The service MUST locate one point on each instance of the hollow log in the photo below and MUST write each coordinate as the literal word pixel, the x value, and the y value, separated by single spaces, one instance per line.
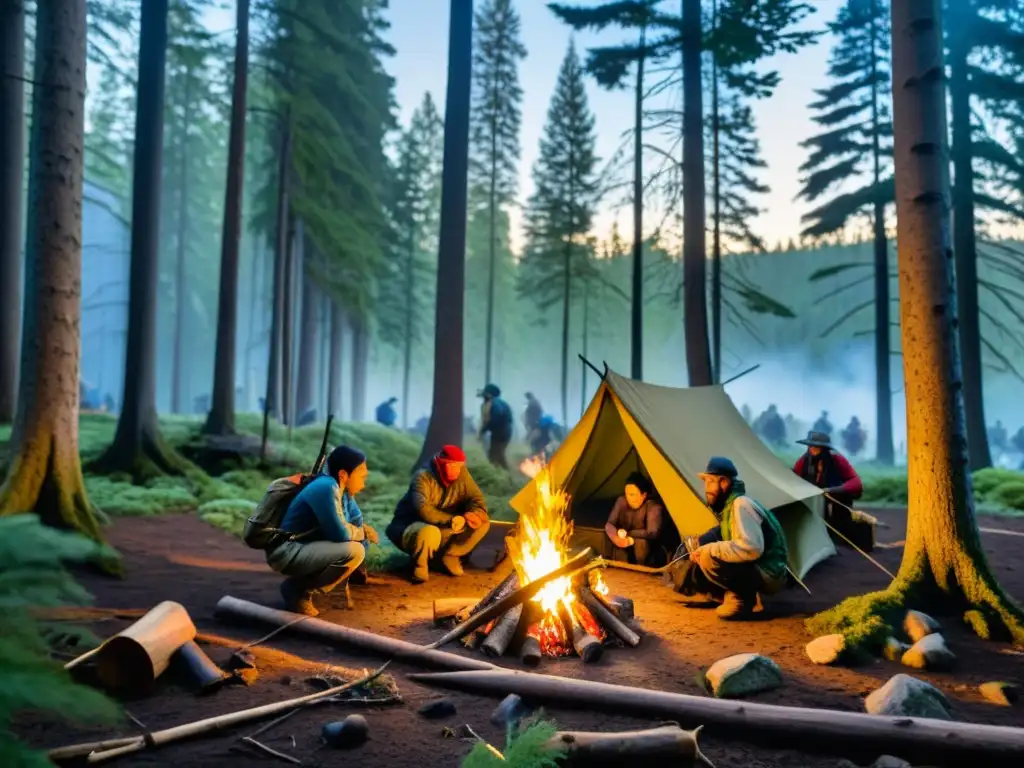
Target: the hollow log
pixel 923 740
pixel 232 607
pixel 518 597
pixel 608 619
pixel 500 637
pixel 446 608
pixel 193 662
pixel 132 660
pixel 586 645
pixel 530 654
pixel 665 745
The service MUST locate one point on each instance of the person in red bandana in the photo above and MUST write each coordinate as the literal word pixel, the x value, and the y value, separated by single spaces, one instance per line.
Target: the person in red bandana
pixel 442 517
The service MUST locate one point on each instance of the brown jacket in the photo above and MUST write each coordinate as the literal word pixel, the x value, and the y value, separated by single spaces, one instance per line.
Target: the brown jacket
pixel 642 523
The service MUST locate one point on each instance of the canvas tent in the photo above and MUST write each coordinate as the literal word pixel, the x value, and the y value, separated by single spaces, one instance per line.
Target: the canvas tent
pixel 669 434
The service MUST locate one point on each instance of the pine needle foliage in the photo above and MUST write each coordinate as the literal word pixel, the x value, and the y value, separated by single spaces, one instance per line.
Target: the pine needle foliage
pixel 526 748
pixel 31 574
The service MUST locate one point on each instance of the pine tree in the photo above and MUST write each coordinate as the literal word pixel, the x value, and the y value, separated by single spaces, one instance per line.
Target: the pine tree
pixel 856 148
pixel 108 143
pixel 560 211
pixel 494 137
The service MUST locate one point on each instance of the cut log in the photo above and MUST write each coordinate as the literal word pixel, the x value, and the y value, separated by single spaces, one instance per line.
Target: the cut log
pixel 586 620
pixel 446 608
pixel 530 655
pixel 503 588
pixel 232 607
pixel 586 645
pixel 193 662
pixel 500 637
pixel 665 745
pixel 936 742
pixel 131 661
pixel 620 606
pixel 608 619
pixel 518 597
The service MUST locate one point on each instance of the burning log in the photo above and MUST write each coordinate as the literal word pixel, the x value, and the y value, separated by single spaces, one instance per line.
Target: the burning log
pixel 500 636
pixel 507 586
pixel 609 619
pixel 621 606
pixel 664 745
pixel 587 646
pixel 446 608
pixel 530 653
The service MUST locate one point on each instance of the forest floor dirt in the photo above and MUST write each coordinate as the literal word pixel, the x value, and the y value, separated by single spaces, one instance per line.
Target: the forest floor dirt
pixel 181 558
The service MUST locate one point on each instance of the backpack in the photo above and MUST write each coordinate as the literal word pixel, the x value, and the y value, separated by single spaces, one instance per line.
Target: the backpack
pixel 263 529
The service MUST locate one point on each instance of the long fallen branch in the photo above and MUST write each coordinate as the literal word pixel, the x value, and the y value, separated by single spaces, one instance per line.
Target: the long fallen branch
pixel 518 597
pixel 232 607
pixel 664 745
pixel 99 752
pixel 922 740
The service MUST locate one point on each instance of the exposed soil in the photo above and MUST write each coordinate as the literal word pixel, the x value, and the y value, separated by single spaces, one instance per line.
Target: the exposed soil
pixel 180 558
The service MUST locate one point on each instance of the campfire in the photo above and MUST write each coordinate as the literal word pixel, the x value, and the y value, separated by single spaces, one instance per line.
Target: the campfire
pixel 574 614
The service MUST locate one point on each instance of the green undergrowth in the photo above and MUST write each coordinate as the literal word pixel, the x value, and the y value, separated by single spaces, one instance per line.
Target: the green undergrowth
pixel 527 747
pixel 32 574
pixel 865 621
pixel 996 491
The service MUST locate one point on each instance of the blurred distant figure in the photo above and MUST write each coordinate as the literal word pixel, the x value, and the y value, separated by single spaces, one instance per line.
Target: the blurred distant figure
pixel 830 471
pixel 854 437
pixel 108 402
pixel 823 425
pixel 770 426
pixel 545 432
pixel 1018 440
pixel 420 428
pixel 386 414
pixel 306 418
pixel 201 404
pixel 997 437
pixel 533 412
pixel 496 419
pixel 793 425
pixel 748 415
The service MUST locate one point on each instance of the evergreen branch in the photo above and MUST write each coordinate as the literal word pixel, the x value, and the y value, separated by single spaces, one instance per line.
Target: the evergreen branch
pixel 1008 366
pixel 846 316
pixel 845 287
pixel 835 269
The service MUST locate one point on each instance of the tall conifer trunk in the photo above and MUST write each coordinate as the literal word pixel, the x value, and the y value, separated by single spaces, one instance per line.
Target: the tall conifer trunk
pixel 305 388
pixel 716 238
pixel 288 323
pixel 334 363
pixel 180 271
pixel 637 324
pixel 360 365
pixel 275 383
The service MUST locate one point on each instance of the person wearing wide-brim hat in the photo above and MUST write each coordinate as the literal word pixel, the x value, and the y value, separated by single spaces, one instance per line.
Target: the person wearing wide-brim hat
pixel 740 559
pixel 823 466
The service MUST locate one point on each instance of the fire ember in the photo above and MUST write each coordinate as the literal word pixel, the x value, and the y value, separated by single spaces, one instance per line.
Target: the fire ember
pixel 572 615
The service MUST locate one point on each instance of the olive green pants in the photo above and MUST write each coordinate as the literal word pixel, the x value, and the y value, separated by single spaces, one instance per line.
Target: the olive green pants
pixel 316 565
pixel 423 541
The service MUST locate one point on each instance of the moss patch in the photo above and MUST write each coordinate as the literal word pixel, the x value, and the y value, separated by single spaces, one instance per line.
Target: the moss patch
pixel 865 620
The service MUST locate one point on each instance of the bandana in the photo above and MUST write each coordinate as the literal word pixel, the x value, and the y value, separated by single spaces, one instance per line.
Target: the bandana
pixel 448 455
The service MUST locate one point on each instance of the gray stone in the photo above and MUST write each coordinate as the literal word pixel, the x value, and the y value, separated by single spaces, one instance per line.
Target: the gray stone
pixel 350 732
pixel 438 708
pixel 917 625
pixel 888 761
pixel 826 649
pixel 930 652
pixel 894 649
pixel 1003 694
pixel 906 696
pixel 511 710
pixel 742 675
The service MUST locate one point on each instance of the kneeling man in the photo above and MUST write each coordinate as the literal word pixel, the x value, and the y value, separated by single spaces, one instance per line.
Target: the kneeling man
pixel 443 513
pixel 738 560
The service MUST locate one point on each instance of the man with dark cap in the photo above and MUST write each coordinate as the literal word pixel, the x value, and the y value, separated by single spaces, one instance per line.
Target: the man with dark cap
pixel 443 515
pixel 738 560
pixel 329 537
pixel 822 466
pixel 386 414
pixel 496 418
pixel 634 524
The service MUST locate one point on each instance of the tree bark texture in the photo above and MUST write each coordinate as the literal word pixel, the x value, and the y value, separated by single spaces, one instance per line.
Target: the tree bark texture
pixel 492 245
pixel 221 419
pixel 12 167
pixel 943 557
pixel 288 322
pixel 407 344
pixel 334 364
pixel 716 237
pixel 45 473
pixel 305 387
pixel 274 376
pixel 446 414
pixel 637 299
pixel 360 366
pixel 965 248
pixel 180 273
pixel 138 447
pixel 695 312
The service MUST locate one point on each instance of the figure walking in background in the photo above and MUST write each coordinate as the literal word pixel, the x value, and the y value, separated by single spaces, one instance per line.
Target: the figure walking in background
pixel 533 412
pixel 854 437
pixel 997 438
pixel 822 425
pixel 386 414
pixel 495 419
pixel 830 471
pixel 543 434
pixel 771 426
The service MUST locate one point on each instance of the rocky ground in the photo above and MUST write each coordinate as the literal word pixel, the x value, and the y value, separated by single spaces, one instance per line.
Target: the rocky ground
pixel 180 558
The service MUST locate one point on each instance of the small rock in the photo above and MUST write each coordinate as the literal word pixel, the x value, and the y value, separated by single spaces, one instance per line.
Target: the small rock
pixel 285 680
pixel 350 732
pixel 826 649
pixel 438 708
pixel 917 625
pixel 906 696
pixel 511 710
pixel 894 649
pixel 1004 694
pixel 742 675
pixel 930 652
pixel 888 761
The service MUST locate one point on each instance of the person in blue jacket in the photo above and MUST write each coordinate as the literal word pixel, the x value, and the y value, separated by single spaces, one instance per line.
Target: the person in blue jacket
pixel 386 414
pixel 330 537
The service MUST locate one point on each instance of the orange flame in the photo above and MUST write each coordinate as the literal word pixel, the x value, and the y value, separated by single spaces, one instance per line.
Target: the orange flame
pixel 532 466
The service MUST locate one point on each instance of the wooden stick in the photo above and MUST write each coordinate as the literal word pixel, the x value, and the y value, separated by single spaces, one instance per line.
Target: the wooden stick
pixel 448 607
pixel 939 742
pixel 232 607
pixel 84 657
pixel 499 638
pixel 665 745
pixel 84 748
pixel 610 621
pixel 211 724
pixel 273 752
pixel 507 586
pixel 518 597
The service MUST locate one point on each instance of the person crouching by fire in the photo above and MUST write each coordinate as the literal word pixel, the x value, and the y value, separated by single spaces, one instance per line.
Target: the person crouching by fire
pixel 634 524
pixel 443 514
pixel 740 559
